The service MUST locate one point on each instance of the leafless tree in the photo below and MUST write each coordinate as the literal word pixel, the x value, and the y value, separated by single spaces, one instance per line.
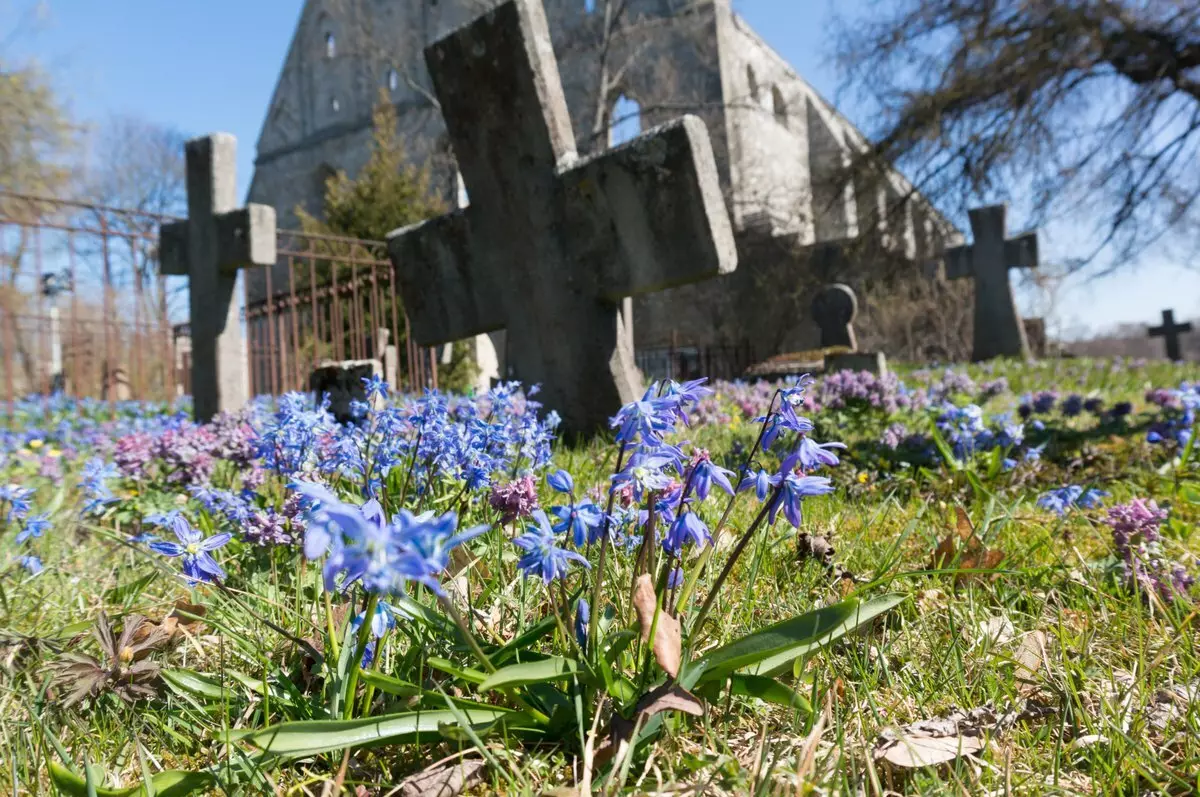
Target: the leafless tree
pixel 1090 106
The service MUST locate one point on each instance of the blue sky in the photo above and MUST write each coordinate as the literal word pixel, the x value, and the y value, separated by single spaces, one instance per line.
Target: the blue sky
pixel 207 65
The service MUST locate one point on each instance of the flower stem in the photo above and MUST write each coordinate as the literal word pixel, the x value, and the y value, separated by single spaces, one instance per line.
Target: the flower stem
pixel 360 647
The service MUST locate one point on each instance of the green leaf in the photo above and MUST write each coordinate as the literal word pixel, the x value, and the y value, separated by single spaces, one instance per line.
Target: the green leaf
pixel 196 683
pixel 169 783
pixel 524 640
pixel 471 676
pixel 769 690
pixel 310 737
pixel 554 668
pixel 390 685
pixel 772 649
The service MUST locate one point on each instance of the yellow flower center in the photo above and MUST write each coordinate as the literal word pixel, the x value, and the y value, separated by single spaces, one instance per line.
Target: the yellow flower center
pixel 192 548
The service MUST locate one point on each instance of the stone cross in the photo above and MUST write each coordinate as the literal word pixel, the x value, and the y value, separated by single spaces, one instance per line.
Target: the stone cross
pixel 552 244
pixel 998 329
pixel 834 308
pixel 209 247
pixel 1170 332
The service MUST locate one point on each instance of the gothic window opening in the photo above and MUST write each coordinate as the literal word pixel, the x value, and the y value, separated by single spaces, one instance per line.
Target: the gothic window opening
pixel 460 187
pixel 330 45
pixel 626 121
pixel 589 6
pixel 393 80
pixel 778 106
pixel 752 83
pixel 335 105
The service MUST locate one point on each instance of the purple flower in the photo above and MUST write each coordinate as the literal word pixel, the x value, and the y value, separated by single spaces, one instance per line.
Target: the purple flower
pixel 517 499
pixel 647 419
pixel 196 550
pixel 543 558
pixel 812 455
pixel 797 487
pixel 1136 537
pixel 583 615
pixel 688 527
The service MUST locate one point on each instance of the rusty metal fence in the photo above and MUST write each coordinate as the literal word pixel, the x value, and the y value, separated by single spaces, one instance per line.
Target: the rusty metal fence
pixel 85 310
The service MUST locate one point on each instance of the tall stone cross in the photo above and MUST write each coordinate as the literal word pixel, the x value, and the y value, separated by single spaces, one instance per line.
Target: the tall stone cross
pixel 552 244
pixel 1170 332
pixel 998 328
pixel 209 247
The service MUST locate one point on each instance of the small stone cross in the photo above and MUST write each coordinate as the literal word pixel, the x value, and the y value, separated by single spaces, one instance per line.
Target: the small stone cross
pixel 552 244
pixel 209 247
pixel 1170 332
pixel 834 308
pixel 998 329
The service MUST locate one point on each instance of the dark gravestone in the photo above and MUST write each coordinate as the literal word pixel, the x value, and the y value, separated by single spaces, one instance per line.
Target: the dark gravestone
pixel 1169 331
pixel 343 383
pixel 998 330
pixel 834 308
pixel 553 244
pixel 1035 335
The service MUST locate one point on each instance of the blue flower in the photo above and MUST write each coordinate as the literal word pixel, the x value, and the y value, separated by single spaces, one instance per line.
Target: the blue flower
pixel 706 473
pixel 688 527
pixel 797 487
pixel 34 526
pixel 648 418
pixel 196 550
pixel 583 615
pixel 1062 499
pixel 542 557
pixel 644 473
pixel 675 579
pixel 584 519
pixel 17 499
pixel 762 482
pixel 813 455
pixel 376 387
pixel 32 564
pixel 383 619
pixel 561 481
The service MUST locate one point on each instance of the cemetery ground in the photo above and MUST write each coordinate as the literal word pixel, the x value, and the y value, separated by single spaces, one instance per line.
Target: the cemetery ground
pixel 989 602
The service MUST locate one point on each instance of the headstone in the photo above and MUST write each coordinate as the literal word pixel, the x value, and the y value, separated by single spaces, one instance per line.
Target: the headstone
pixel 1035 334
pixel 209 247
pixel 343 383
pixel 874 362
pixel 116 384
pixel 834 308
pixel 552 244
pixel 998 330
pixel 1169 331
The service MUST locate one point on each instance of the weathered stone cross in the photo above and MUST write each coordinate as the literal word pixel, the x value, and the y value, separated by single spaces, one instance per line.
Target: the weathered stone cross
pixel 998 328
pixel 552 244
pixel 1170 332
pixel 209 247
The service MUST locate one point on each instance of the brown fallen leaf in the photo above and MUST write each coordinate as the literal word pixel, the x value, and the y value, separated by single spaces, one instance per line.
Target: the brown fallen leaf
pixel 444 780
pixel 668 697
pixel 935 741
pixel 963 549
pixel 1029 656
pixel 668 635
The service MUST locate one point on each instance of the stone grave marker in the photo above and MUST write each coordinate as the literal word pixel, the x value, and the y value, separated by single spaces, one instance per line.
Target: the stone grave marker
pixel 209 247
pixel 834 308
pixel 342 381
pixel 1169 331
pixel 998 330
pixel 552 244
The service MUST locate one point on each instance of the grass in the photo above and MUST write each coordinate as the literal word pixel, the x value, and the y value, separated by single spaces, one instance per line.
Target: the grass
pixel 1111 660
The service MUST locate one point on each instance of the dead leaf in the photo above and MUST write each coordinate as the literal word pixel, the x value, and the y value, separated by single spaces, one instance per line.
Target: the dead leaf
pixel 935 741
pixel 1029 656
pixel 668 697
pixel 996 630
pixel 964 550
pixel 444 780
pixel 668 635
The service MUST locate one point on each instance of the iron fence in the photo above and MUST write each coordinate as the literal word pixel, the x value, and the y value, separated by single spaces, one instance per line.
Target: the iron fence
pixel 681 363
pixel 85 310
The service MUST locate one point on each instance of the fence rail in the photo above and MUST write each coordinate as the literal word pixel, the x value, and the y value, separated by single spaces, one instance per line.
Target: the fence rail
pixel 85 309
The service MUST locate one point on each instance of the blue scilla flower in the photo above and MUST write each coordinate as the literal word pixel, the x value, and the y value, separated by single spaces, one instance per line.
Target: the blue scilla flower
pixel 543 558
pixel 647 419
pixel 194 548
pixel 34 526
pixel 32 564
pixel 645 472
pixel 1063 499
pixel 812 455
pixel 584 519
pixel 706 473
pixel 583 615
pixel 796 487
pixel 687 528
pixel 17 500
pixel 383 619
pixel 761 481
pixel 561 481
pixel 377 387
pixel 686 393
pixel 675 579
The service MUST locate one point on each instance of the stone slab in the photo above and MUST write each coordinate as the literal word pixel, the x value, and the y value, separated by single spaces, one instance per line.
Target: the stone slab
pixel 342 381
